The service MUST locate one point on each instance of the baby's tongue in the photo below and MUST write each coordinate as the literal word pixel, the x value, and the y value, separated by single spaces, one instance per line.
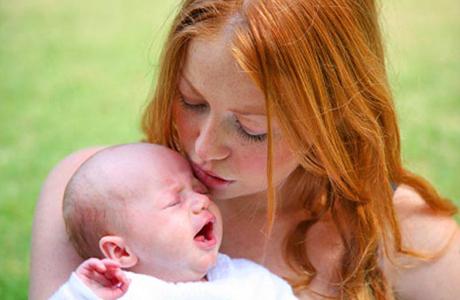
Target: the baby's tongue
pixel 200 238
pixel 204 233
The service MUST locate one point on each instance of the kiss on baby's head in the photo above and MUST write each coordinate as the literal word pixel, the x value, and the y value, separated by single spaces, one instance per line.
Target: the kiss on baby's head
pixel 139 204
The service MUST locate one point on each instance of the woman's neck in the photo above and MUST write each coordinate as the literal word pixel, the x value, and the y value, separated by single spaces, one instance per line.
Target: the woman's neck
pixel 244 221
pixel 245 230
pixel 255 206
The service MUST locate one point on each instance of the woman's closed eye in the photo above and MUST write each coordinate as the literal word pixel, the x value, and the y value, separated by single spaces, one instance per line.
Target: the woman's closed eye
pixel 191 105
pixel 200 107
pixel 251 137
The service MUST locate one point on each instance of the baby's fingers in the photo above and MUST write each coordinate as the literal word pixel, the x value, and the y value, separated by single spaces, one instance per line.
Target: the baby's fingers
pixel 95 264
pixel 125 285
pixel 122 282
pixel 90 266
pixel 110 263
pixel 112 271
pixel 121 277
pixel 101 280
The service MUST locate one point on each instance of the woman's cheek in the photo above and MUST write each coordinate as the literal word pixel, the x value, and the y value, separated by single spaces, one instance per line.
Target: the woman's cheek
pixel 284 162
pixel 254 161
pixel 185 127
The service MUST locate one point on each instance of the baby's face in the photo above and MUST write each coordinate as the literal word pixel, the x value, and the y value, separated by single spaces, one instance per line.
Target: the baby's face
pixel 173 228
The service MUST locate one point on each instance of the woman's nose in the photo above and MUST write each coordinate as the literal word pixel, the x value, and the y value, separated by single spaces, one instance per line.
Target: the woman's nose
pixel 209 143
pixel 200 203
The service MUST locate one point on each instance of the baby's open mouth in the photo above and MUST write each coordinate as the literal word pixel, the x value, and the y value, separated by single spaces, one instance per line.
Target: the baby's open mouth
pixel 205 233
pixel 205 238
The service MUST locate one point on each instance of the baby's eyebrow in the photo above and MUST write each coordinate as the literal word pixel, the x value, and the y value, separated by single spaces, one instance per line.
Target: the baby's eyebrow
pixel 170 186
pixel 174 187
pixel 170 191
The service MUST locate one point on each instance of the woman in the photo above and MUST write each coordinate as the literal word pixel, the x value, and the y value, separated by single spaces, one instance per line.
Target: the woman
pixel 284 110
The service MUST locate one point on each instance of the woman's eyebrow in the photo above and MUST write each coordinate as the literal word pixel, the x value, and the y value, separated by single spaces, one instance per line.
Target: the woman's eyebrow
pixel 246 110
pixel 249 111
pixel 192 87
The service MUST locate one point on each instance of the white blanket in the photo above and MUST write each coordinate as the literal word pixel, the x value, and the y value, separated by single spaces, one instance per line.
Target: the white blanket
pixel 229 279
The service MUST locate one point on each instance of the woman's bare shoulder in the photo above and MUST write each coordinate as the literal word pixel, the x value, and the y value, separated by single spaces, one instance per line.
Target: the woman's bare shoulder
pixel 67 166
pixel 54 185
pixel 52 256
pixel 421 226
pixel 429 233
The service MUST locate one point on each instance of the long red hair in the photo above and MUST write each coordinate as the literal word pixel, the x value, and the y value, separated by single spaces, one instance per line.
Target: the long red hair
pixel 321 66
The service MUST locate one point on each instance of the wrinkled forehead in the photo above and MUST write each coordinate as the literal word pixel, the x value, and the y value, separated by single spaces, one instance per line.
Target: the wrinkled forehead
pixel 169 175
pixel 173 171
pixel 170 163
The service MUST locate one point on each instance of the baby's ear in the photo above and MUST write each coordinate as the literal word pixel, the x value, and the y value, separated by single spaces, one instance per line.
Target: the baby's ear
pixel 114 247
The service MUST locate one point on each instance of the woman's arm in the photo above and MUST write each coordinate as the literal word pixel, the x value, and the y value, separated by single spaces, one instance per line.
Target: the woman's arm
pixel 428 232
pixel 52 256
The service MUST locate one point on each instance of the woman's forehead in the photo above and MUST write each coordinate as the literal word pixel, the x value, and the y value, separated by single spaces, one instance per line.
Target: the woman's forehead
pixel 211 72
pixel 253 106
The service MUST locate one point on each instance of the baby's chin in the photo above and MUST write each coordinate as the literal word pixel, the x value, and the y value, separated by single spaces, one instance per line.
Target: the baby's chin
pixel 203 265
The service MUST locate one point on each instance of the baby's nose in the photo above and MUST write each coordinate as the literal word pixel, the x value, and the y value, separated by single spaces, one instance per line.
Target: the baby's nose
pixel 200 203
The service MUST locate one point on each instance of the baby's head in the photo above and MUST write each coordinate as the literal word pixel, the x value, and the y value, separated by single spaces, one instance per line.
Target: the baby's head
pixel 140 205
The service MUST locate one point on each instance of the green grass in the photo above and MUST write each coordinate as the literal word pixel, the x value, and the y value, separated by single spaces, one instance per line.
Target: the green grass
pixel 425 67
pixel 73 76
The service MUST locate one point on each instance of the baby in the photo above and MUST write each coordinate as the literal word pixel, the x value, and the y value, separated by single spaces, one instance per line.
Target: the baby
pixel 138 207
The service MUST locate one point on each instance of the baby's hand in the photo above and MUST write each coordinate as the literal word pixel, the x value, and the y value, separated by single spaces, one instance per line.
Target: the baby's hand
pixel 104 277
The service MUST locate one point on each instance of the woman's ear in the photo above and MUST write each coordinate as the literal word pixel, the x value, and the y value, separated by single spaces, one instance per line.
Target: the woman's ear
pixel 114 247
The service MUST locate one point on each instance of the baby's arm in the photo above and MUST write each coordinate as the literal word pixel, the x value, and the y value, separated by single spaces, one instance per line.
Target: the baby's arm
pixel 95 279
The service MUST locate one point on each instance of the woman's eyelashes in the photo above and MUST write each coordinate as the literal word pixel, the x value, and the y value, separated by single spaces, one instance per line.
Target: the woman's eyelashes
pixel 240 130
pixel 249 136
pixel 195 107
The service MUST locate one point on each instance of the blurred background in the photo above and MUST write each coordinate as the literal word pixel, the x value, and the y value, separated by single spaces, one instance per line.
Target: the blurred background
pixel 75 74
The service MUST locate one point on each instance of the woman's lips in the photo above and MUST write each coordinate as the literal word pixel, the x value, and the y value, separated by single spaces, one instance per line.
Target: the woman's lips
pixel 210 179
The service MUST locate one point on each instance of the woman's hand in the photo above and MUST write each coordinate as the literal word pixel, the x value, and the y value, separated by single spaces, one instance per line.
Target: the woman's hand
pixel 104 277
